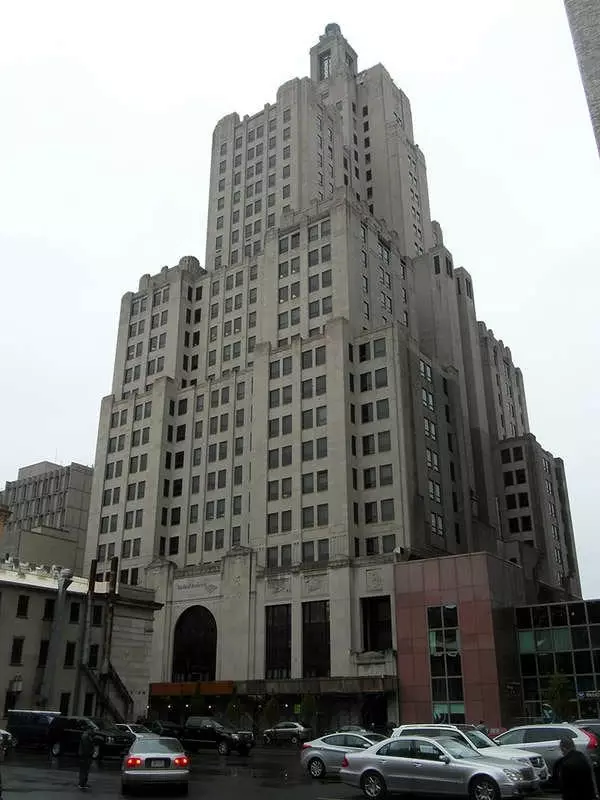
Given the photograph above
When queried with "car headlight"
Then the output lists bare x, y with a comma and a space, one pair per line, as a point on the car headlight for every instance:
234, 736
109, 740
512, 774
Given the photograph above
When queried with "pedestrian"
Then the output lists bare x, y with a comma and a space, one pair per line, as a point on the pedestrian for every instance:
86, 750
576, 778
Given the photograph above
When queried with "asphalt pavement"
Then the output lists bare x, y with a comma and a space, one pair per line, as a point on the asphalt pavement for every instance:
263, 775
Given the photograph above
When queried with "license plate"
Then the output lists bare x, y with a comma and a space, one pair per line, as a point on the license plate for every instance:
157, 763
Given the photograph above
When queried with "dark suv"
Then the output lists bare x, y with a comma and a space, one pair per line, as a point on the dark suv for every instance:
64, 735
206, 732
30, 728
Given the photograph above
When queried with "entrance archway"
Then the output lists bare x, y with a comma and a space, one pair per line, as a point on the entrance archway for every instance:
195, 646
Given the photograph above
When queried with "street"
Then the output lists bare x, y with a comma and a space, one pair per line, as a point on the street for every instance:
261, 776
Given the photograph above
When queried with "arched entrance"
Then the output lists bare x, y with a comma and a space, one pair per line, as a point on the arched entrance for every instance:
195, 646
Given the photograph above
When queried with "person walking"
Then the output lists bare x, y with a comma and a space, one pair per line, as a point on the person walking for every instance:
575, 774
86, 751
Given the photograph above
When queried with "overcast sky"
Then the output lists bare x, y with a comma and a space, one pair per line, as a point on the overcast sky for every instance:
106, 121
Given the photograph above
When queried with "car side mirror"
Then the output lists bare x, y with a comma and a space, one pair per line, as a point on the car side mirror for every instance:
444, 759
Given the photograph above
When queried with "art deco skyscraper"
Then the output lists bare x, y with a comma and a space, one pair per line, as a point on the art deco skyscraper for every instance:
584, 19
288, 422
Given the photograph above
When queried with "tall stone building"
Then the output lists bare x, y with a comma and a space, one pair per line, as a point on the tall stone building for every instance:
48, 514
308, 410
584, 20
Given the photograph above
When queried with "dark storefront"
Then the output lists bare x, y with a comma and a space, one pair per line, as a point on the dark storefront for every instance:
560, 639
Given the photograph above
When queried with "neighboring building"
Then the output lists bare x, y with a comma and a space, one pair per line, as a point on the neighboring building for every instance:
288, 424
57, 638
584, 19
49, 507
457, 654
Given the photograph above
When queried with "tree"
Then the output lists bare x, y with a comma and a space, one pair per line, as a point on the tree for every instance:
559, 695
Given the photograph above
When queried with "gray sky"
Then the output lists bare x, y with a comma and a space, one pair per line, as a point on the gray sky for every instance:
106, 121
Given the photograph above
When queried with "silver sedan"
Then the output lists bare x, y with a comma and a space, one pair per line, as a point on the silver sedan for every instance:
325, 755
445, 766
157, 760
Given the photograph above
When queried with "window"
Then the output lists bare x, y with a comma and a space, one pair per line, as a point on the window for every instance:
366, 381
324, 65
16, 652
387, 510
23, 606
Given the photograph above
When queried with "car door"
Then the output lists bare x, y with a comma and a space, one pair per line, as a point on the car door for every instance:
333, 750
284, 731
514, 737
394, 761
190, 736
433, 775
72, 735
355, 743
546, 742
207, 734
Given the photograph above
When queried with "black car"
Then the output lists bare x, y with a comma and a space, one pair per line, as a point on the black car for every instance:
30, 728
199, 733
65, 734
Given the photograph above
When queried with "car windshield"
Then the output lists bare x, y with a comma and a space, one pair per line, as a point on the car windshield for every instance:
160, 745
479, 739
375, 737
457, 749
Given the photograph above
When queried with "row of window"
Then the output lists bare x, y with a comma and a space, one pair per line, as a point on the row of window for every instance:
311, 482
311, 551
130, 548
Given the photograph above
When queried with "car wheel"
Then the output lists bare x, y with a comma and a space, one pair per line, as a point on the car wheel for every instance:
96, 752
316, 768
483, 788
184, 790
125, 790
223, 749
55, 749
373, 786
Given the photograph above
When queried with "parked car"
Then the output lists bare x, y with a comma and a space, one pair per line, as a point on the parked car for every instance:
444, 766
589, 725
474, 737
286, 733
159, 760
65, 734
545, 739
135, 729
207, 732
30, 728
325, 755
7, 740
